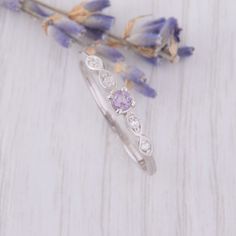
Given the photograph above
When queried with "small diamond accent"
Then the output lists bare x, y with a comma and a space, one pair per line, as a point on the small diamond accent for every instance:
94, 63
134, 124
145, 146
106, 79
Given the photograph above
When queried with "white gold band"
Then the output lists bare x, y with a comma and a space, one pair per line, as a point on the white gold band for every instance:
117, 103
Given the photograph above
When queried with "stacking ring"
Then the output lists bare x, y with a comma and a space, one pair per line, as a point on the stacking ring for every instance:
117, 105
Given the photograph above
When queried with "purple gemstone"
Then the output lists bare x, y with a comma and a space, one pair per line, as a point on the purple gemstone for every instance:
121, 100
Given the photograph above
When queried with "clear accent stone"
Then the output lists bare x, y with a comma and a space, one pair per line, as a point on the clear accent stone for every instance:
145, 146
106, 79
134, 124
94, 63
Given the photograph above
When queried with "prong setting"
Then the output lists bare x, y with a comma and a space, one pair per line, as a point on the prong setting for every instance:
121, 101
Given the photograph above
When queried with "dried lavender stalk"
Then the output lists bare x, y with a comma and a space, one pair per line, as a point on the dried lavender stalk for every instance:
89, 28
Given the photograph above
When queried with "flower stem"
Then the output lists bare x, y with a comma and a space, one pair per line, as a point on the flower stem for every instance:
29, 12
49, 7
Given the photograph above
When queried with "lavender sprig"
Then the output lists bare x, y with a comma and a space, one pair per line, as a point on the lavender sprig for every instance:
87, 26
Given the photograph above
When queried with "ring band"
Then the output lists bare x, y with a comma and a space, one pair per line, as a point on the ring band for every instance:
114, 104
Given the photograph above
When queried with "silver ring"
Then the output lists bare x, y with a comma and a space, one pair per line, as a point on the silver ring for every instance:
117, 106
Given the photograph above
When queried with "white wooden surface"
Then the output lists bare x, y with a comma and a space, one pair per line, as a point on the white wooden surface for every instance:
63, 172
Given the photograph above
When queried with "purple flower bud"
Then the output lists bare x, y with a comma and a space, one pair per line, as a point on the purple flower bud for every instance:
169, 28
96, 5
152, 60
185, 51
155, 28
146, 90
154, 22
63, 31
63, 39
138, 78
37, 9
94, 34
112, 54
70, 27
171, 24
13, 5
145, 39
99, 22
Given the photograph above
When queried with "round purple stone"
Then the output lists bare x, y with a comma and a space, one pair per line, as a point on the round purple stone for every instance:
121, 100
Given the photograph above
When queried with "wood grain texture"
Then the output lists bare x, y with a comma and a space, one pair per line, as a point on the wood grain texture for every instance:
63, 172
